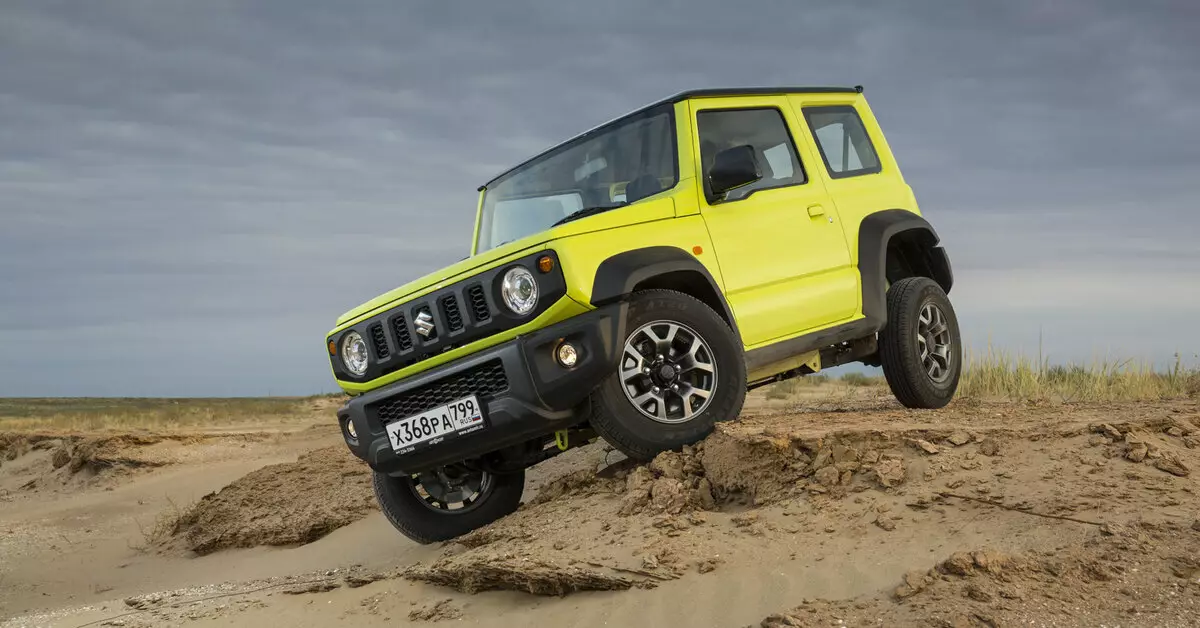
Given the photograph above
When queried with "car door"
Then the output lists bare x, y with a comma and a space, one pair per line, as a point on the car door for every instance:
778, 241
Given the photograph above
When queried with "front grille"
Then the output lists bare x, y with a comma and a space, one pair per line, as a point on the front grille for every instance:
485, 380
454, 319
381, 348
479, 306
456, 315
403, 337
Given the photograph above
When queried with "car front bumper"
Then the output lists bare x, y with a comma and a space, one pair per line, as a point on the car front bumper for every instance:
524, 391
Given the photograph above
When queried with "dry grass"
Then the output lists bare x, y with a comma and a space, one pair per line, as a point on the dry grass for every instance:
862, 380
92, 414
822, 386
160, 532
789, 388
1001, 375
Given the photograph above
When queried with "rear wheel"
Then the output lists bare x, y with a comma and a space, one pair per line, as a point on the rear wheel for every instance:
680, 370
920, 348
448, 502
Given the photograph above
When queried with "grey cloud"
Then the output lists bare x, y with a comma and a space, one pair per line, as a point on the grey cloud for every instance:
212, 183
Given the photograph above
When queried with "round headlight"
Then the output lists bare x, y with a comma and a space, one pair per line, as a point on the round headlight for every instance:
520, 290
354, 353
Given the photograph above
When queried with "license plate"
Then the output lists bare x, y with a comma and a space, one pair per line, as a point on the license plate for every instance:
461, 416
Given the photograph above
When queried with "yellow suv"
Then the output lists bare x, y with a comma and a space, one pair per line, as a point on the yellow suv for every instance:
633, 283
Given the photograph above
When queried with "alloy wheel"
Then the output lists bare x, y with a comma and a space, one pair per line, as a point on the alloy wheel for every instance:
933, 341
668, 372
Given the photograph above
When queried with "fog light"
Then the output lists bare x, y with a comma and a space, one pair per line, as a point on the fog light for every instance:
350, 429
567, 356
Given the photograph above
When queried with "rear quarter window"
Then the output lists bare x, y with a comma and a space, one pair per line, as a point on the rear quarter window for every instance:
842, 141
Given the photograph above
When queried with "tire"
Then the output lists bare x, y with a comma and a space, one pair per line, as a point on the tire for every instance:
910, 376
423, 523
617, 418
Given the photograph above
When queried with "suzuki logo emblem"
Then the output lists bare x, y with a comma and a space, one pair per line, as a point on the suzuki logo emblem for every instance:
424, 324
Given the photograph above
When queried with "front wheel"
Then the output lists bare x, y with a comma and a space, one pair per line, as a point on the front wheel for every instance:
920, 348
680, 370
448, 502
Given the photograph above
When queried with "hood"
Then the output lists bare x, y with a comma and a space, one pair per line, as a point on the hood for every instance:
444, 276
656, 210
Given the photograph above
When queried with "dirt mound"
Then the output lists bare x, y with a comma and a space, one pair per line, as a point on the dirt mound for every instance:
756, 467
42, 460
95, 454
1153, 448
747, 465
13, 445
55, 461
485, 572
576, 483
283, 504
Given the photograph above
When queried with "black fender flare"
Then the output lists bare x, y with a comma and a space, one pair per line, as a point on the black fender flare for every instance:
618, 276
874, 234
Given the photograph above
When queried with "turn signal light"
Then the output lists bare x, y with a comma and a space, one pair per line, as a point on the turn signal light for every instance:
332, 348
545, 263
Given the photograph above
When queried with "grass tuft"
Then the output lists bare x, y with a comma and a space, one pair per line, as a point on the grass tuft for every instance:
160, 532
1001, 375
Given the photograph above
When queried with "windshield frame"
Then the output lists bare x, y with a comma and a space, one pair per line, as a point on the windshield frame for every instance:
641, 114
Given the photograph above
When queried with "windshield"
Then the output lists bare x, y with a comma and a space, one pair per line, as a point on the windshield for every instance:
615, 165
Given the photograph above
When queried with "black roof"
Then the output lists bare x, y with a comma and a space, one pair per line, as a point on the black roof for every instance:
692, 93
750, 91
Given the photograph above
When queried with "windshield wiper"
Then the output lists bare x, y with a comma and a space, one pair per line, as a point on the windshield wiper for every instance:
585, 212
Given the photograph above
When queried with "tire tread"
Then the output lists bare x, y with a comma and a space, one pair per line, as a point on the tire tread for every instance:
616, 435
901, 368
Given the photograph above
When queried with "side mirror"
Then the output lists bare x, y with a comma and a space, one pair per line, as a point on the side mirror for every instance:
732, 168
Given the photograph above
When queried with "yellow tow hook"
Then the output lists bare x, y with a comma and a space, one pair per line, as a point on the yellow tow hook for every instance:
560, 439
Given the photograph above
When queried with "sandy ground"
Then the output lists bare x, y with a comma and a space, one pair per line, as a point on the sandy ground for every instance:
821, 511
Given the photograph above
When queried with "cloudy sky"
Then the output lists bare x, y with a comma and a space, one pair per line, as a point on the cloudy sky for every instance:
191, 192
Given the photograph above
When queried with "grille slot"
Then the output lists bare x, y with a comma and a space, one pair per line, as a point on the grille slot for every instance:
454, 319
381, 348
479, 306
485, 380
403, 337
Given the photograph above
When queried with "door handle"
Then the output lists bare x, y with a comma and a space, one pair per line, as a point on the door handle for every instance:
816, 210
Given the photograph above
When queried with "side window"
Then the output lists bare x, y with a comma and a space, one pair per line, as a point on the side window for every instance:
842, 140
764, 130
